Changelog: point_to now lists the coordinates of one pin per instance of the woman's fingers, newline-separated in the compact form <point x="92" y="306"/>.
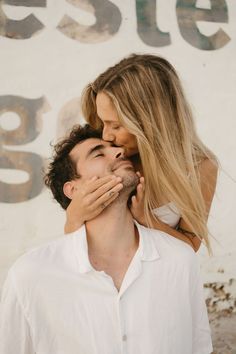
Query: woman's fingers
<point x="142" y="181"/>
<point x="96" y="187"/>
<point x="93" y="184"/>
<point x="92" y="197"/>
<point x="102" y="206"/>
<point x="137" y="202"/>
<point x="139" y="193"/>
<point x="106" y="189"/>
<point x="106" y="198"/>
<point x="134" y="202"/>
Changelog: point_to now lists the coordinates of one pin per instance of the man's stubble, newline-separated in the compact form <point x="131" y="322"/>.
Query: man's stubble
<point x="130" y="182"/>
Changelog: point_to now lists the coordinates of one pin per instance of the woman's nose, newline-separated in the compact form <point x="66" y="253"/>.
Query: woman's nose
<point x="107" y="136"/>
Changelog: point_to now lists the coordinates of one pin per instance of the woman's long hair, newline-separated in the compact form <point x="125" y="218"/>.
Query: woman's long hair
<point x="149" y="99"/>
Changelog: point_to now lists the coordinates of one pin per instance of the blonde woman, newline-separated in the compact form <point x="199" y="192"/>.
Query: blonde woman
<point x="139" y="104"/>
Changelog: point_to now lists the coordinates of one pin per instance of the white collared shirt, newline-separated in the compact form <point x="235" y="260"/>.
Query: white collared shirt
<point x="55" y="302"/>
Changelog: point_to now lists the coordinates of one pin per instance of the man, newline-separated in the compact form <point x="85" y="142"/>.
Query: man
<point x="111" y="287"/>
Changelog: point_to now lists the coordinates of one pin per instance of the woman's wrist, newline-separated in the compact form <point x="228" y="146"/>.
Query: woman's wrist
<point x="72" y="226"/>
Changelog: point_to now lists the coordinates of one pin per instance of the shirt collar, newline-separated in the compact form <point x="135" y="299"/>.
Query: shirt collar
<point x="147" y="247"/>
<point x="81" y="249"/>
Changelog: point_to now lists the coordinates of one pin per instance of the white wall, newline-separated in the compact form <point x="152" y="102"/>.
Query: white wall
<point x="52" y="68"/>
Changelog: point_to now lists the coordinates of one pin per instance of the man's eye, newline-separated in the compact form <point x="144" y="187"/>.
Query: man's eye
<point x="99" y="155"/>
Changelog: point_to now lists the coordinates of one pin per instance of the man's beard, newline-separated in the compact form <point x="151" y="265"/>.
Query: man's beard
<point x="130" y="182"/>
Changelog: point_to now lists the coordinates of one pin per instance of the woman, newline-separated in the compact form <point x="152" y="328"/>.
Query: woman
<point x="139" y="104"/>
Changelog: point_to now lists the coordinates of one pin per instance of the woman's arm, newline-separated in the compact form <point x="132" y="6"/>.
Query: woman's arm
<point x="208" y="177"/>
<point x="159" y="225"/>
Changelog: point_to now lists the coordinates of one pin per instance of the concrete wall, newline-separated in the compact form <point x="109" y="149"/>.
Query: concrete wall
<point x="49" y="50"/>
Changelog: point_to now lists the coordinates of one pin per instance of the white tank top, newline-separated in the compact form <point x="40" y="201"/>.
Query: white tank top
<point x="169" y="214"/>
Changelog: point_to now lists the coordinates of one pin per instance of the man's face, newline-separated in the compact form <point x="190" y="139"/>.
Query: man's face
<point x="95" y="157"/>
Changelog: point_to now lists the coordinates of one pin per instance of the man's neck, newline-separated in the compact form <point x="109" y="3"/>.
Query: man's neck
<point x="112" y="233"/>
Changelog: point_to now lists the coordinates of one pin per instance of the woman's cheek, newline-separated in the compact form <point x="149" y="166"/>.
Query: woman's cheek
<point x="123" y="140"/>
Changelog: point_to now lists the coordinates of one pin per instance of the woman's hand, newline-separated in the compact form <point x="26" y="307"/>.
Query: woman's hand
<point x="91" y="199"/>
<point x="137" y="202"/>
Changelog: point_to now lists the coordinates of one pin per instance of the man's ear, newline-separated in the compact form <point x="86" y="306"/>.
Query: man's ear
<point x="69" y="188"/>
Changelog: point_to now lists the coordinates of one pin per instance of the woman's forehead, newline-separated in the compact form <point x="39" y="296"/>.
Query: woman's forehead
<point x="106" y="110"/>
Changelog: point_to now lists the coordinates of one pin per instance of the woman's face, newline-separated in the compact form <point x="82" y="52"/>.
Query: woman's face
<point x="112" y="130"/>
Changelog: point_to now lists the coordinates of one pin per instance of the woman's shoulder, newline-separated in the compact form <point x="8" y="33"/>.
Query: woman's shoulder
<point x="208" y="172"/>
<point x="208" y="166"/>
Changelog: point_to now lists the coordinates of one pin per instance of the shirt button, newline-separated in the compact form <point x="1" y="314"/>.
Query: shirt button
<point x="124" y="338"/>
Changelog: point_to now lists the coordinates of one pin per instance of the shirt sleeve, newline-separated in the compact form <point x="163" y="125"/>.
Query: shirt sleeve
<point x="202" y="343"/>
<point x="14" y="327"/>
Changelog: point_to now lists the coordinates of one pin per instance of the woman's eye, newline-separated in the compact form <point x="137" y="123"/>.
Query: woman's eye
<point x="116" y="128"/>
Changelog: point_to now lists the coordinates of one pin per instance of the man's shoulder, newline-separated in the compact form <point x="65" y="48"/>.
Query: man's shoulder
<point x="39" y="258"/>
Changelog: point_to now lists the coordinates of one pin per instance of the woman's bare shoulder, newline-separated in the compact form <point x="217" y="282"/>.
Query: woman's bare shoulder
<point x="208" y="169"/>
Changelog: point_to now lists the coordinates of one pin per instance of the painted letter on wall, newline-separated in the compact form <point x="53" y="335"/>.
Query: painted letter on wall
<point x="188" y="15"/>
<point x="20" y="29"/>
<point x="147" y="26"/>
<point x="108" y="20"/>
<point x="30" y="112"/>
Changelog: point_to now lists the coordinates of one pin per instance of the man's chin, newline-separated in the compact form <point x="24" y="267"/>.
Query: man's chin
<point x="129" y="177"/>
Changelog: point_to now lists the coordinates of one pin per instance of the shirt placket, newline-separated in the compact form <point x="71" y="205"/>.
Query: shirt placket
<point x="122" y="325"/>
<point x="132" y="274"/>
<point x="119" y="313"/>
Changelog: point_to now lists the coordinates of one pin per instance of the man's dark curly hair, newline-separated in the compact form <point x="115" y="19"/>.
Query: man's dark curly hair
<point x="62" y="169"/>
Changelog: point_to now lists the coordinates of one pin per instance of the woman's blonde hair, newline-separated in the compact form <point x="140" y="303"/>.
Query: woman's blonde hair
<point x="148" y="96"/>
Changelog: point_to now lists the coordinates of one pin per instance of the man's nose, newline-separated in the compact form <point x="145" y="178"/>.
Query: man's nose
<point x="119" y="153"/>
